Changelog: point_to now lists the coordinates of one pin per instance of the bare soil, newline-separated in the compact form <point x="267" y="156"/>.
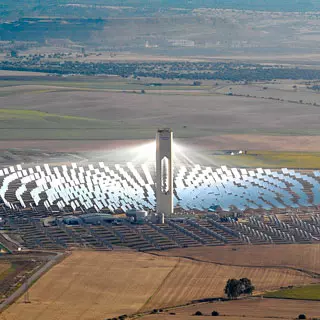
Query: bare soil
<point x="210" y="121"/>
<point x="255" y="308"/>
<point x="299" y="256"/>
<point x="198" y="115"/>
<point x="217" y="142"/>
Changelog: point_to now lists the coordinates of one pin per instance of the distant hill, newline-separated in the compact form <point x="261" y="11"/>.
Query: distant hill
<point x="88" y="8"/>
<point x="174" y="27"/>
<point x="265" y="5"/>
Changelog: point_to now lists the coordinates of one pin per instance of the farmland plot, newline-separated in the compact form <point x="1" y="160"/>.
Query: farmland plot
<point x="300" y="256"/>
<point x="251" y="309"/>
<point x="99" y="285"/>
<point x="93" y="285"/>
<point x="191" y="280"/>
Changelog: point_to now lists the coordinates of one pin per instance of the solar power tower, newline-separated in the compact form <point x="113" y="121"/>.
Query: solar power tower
<point x="164" y="171"/>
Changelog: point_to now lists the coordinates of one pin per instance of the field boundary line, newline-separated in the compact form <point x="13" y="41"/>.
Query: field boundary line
<point x="284" y="298"/>
<point x="160" y="286"/>
<point x="311" y="274"/>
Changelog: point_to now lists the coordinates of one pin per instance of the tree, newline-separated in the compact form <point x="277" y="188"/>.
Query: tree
<point x="302" y="316"/>
<point x="198" y="313"/>
<point x="14" y="54"/>
<point x="215" y="313"/>
<point x="246" y="286"/>
<point x="234" y="288"/>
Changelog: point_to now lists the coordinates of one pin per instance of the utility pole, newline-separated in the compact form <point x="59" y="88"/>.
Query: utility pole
<point x="26" y="292"/>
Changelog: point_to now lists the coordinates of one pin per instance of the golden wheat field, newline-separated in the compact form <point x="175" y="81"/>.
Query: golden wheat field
<point x="191" y="280"/>
<point x="98" y="285"/>
<point x="300" y="256"/>
<point x="93" y="285"/>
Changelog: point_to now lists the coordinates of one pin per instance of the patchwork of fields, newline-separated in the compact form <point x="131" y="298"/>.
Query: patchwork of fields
<point x="124" y="112"/>
<point x="192" y="280"/>
<point x="98" y="285"/>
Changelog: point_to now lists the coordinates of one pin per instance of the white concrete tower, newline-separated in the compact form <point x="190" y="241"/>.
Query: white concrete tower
<point x="164" y="171"/>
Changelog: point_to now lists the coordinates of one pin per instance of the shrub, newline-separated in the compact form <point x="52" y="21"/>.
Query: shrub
<point x="198" y="313"/>
<point x="302" y="316"/>
<point x="172" y="313"/>
<point x="215" y="313"/>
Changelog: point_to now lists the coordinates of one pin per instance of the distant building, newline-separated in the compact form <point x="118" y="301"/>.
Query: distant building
<point x="182" y="43"/>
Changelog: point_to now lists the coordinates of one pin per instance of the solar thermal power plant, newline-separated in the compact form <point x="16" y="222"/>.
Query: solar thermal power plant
<point x="32" y="194"/>
<point x="72" y="205"/>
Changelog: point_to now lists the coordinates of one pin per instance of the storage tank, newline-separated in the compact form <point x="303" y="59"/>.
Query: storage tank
<point x="138" y="215"/>
<point x="141" y="214"/>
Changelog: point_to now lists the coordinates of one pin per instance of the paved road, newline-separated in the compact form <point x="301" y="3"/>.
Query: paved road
<point x="20" y="291"/>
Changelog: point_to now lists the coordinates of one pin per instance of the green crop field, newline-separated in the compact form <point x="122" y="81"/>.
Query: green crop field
<point x="311" y="292"/>
<point x="96" y="84"/>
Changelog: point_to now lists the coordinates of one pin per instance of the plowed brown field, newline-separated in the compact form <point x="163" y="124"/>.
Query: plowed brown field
<point x="300" y="256"/>
<point x="251" y="309"/>
<point x="99" y="285"/>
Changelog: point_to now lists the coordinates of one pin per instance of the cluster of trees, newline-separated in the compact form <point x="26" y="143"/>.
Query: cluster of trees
<point x="174" y="70"/>
<point x="235" y="288"/>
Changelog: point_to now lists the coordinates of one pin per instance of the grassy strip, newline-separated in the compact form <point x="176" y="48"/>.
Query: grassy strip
<point x="10" y="117"/>
<point x="311" y="292"/>
<point x="116" y="84"/>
